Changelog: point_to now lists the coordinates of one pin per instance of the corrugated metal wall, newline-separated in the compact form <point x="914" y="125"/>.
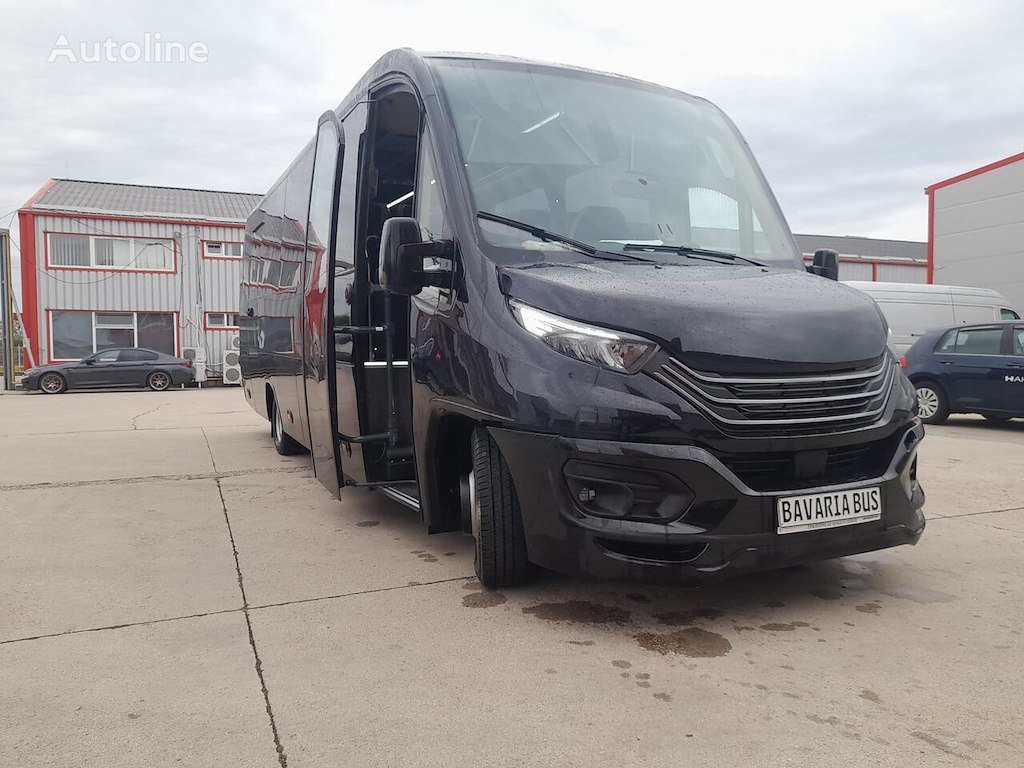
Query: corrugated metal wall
<point x="978" y="232"/>
<point x="196" y="287"/>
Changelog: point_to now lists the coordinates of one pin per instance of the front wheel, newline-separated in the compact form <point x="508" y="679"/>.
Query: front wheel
<point x="158" y="381"/>
<point x="496" y="520"/>
<point x="53" y="383"/>
<point x="931" y="403"/>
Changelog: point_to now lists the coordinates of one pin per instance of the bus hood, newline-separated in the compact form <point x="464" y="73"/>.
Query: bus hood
<point x="714" y="316"/>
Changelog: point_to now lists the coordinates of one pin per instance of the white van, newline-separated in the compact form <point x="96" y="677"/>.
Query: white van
<point x="914" y="308"/>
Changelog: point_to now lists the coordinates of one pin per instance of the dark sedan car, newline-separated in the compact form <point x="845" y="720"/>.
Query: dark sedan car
<point x="112" y="368"/>
<point x="968" y="369"/>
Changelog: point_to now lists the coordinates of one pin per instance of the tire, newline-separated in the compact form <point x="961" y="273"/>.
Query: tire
<point x="53" y="384"/>
<point x="285" y="444"/>
<point x="501" y="559"/>
<point x="931" y="402"/>
<point x="159" y="381"/>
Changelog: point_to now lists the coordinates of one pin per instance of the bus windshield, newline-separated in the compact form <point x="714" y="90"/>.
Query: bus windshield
<point x="608" y="162"/>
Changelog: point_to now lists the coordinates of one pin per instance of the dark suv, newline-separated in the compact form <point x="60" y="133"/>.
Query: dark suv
<point x="968" y="369"/>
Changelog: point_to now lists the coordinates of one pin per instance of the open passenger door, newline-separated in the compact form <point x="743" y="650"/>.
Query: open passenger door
<point x="318" y="303"/>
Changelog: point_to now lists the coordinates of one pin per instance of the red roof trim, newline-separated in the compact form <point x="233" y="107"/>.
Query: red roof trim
<point x="976" y="172"/>
<point x="39" y="194"/>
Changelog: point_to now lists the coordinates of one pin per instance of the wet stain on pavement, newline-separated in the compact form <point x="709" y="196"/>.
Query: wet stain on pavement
<point x="873" y="607"/>
<point x="580" y="612"/>
<point x="827" y="593"/>
<point x="743" y="628"/>
<point x="483" y="599"/>
<point x="830" y="720"/>
<point x="580" y="642"/>
<point x="638" y="598"/>
<point x="870" y="695"/>
<point x="621" y="664"/>
<point x="939" y="744"/>
<point x="642" y="675"/>
<point x="779" y="627"/>
<point x="664" y="697"/>
<point x="368" y="523"/>
<point x="774" y="604"/>
<point x="692" y="641"/>
<point x="643" y="684"/>
<point x="426" y="557"/>
<point x="685" y="618"/>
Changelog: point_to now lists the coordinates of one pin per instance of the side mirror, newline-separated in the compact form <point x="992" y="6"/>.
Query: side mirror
<point x="825" y="264"/>
<point x="402" y="252"/>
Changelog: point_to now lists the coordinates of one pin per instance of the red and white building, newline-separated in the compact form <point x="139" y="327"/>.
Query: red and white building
<point x="976" y="229"/>
<point x="111" y="265"/>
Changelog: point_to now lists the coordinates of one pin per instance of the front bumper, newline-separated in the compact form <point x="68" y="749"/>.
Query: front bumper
<point x="726" y="530"/>
<point x="29" y="384"/>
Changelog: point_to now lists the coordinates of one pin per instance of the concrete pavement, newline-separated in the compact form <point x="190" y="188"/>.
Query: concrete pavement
<point x="173" y="592"/>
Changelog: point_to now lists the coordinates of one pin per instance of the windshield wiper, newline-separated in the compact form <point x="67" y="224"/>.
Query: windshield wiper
<point x="690" y="250"/>
<point x="554" y="237"/>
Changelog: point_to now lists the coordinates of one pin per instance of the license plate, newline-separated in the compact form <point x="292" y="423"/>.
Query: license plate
<point x="815" y="511"/>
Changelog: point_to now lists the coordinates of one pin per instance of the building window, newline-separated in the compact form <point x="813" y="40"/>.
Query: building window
<point x="75" y="334"/>
<point x="226" y="321"/>
<point x="213" y="249"/>
<point x="66" y="251"/>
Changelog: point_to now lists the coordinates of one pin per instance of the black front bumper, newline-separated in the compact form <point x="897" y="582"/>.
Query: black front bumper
<point x="726" y="530"/>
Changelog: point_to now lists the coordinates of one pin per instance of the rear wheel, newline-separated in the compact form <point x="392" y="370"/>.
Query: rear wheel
<point x="495" y="517"/>
<point x="931" y="403"/>
<point x="158" y="381"/>
<point x="285" y="444"/>
<point x="52" y="383"/>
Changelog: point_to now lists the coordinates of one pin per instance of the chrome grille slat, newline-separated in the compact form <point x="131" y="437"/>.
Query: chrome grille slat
<point x="784" y="403"/>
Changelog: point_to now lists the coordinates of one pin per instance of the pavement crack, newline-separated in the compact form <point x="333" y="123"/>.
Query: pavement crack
<point x="118" y="626"/>
<point x="282" y="758"/>
<point x="136" y="418"/>
<point x="210" y="449"/>
<point x="153" y="478"/>
<point x="374" y="591"/>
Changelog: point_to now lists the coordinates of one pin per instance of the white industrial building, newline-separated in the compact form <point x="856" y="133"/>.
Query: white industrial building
<point x="976" y="229"/>
<point x="870" y="258"/>
<point x="112" y="265"/>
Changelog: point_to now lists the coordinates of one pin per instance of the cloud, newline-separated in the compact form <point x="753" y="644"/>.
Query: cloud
<point x="851" y="109"/>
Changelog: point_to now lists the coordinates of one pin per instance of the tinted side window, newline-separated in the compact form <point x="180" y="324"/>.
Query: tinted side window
<point x="1017" y="347"/>
<point x="948" y="343"/>
<point x="136" y="356"/>
<point x="979" y="341"/>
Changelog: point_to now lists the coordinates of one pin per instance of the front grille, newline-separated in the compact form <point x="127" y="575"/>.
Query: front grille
<point x="785" y="404"/>
<point x="792" y="470"/>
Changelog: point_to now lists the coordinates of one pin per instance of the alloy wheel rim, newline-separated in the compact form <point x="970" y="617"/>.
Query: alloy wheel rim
<point x="159" y="380"/>
<point x="278" y="425"/>
<point x="927" y="402"/>
<point x="51" y="384"/>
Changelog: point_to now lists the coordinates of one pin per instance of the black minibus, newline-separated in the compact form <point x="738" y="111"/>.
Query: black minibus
<point x="560" y="310"/>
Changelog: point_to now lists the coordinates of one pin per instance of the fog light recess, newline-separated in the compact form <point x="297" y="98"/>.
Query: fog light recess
<point x="626" y="493"/>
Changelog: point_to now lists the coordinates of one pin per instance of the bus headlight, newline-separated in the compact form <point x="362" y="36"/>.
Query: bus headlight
<point x="610" y="349"/>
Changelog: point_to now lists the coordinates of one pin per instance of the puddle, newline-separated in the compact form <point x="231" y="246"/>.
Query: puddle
<point x="484" y="599"/>
<point x="694" y="642"/>
<point x="685" y="618"/>
<point x="580" y="612"/>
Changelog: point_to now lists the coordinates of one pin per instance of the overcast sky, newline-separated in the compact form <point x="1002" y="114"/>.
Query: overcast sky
<point x="851" y="108"/>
